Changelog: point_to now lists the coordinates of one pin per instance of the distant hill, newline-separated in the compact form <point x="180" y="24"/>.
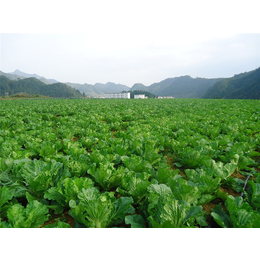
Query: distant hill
<point x="179" y="87"/>
<point x="26" y="75"/>
<point x="11" y="76"/>
<point x="242" y="86"/>
<point x="33" y="86"/>
<point x="99" y="89"/>
<point x="138" y="86"/>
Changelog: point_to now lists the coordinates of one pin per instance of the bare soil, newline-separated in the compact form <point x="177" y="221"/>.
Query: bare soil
<point x="230" y="191"/>
<point x="238" y="175"/>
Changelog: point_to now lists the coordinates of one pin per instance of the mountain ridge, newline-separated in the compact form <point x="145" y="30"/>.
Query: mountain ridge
<point x="27" y="75"/>
<point x="99" y="89"/>
<point x="178" y="87"/>
<point x="241" y="86"/>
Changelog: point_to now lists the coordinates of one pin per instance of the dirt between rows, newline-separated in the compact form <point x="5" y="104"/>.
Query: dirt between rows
<point x="63" y="217"/>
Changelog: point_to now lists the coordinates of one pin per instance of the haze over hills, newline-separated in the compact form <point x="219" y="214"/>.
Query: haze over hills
<point x="179" y="87"/>
<point x="99" y="89"/>
<point x="242" y="86"/>
<point x="26" y="75"/>
<point x="11" y="76"/>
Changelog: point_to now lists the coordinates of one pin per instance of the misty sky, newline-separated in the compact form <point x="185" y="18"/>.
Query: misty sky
<point x="131" y="42"/>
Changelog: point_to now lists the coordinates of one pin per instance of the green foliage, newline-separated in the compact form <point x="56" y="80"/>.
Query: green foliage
<point x="255" y="196"/>
<point x="106" y="175"/>
<point x="244" y="85"/>
<point x="139" y="92"/>
<point x="66" y="190"/>
<point x="167" y="211"/>
<point x="34" y="215"/>
<point x="33" y="86"/>
<point x="97" y="210"/>
<point x="122" y="163"/>
<point x="136" y="221"/>
<point x="39" y="176"/>
<point x="239" y="214"/>
<point x="6" y="194"/>
<point x="58" y="224"/>
<point x="134" y="185"/>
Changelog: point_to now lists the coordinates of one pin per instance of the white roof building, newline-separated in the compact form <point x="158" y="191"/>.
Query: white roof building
<point x="141" y="96"/>
<point x="118" y="95"/>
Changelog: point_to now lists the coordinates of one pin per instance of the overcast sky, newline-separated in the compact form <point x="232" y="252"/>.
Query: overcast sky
<point x="129" y="42"/>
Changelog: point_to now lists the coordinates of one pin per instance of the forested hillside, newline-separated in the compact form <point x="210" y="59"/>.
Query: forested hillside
<point x="33" y="86"/>
<point x="242" y="86"/>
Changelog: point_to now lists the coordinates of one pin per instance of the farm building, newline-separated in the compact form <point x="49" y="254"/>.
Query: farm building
<point x="118" y="95"/>
<point x="141" y="96"/>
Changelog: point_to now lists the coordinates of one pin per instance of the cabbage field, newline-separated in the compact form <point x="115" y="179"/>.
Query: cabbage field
<point x="105" y="163"/>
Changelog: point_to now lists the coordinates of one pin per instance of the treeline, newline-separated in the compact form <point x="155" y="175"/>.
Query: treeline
<point x="33" y="86"/>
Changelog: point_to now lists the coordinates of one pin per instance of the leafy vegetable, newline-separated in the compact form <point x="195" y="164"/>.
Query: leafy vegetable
<point x="106" y="175"/>
<point x="136" y="221"/>
<point x="134" y="185"/>
<point x="166" y="211"/>
<point x="115" y="163"/>
<point x="100" y="210"/>
<point x="65" y="191"/>
<point x="6" y="194"/>
<point x="34" y="215"/>
<point x="240" y="214"/>
<point x="39" y="176"/>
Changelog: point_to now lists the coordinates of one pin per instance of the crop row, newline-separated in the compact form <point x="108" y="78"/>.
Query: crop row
<point x="130" y="163"/>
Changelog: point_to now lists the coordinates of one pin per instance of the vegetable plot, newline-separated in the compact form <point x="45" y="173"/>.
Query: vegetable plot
<point x="130" y="163"/>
